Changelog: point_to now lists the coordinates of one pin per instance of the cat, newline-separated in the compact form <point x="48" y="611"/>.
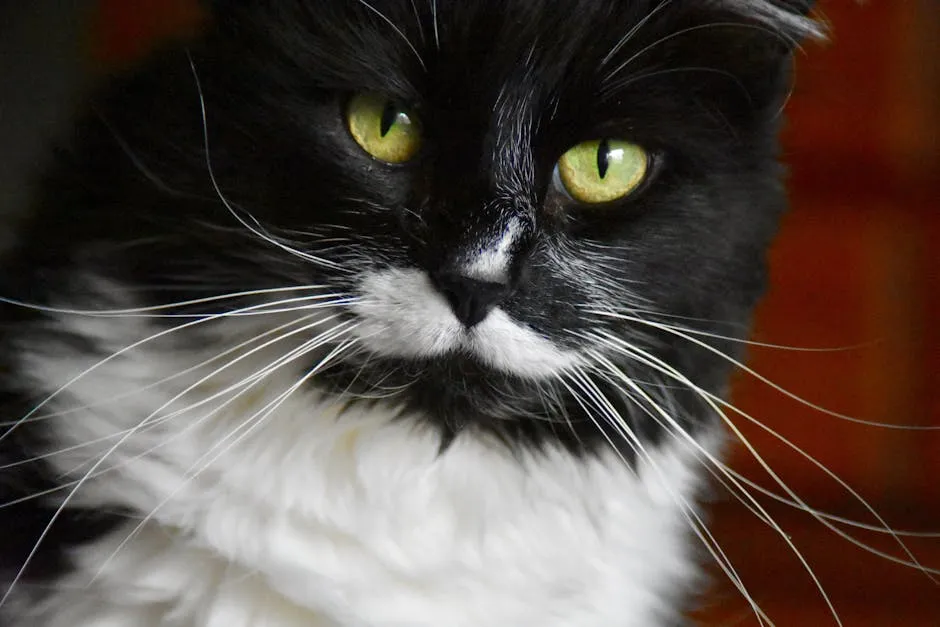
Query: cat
<point x="391" y="312"/>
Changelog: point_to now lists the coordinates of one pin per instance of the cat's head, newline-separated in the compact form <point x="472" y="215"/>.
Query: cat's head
<point x="513" y="200"/>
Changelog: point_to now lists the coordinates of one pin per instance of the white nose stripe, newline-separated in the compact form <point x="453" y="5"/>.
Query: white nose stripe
<point x="493" y="262"/>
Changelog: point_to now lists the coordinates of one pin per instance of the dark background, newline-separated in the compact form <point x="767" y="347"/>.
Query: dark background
<point x="855" y="269"/>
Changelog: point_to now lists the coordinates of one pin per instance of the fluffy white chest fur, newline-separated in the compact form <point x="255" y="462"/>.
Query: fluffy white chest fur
<point x="256" y="508"/>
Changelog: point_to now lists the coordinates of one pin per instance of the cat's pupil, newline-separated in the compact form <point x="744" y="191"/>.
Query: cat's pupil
<point x="603" y="163"/>
<point x="389" y="116"/>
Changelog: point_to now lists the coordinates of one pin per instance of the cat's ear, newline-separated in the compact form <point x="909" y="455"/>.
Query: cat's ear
<point x="755" y="47"/>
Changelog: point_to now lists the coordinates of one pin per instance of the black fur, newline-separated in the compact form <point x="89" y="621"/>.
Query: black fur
<point x="502" y="89"/>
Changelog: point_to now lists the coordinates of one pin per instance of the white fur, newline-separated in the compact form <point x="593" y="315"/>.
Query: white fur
<point x="314" y="519"/>
<point x="404" y="316"/>
<point x="491" y="263"/>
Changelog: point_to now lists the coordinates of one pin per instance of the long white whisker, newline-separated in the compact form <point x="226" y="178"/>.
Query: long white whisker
<point x="73" y="410"/>
<point x="631" y="79"/>
<point x="909" y="533"/>
<point x="732" y="338"/>
<point x="252" y="422"/>
<point x="763" y="379"/>
<point x="397" y="30"/>
<point x="695" y="522"/>
<point x="724" y="475"/>
<point x="244" y="384"/>
<point x="148" y="423"/>
<point x="114" y="355"/>
<point x="64" y="503"/>
<point x="685" y="31"/>
<point x="714" y="401"/>
<point x="437" y="35"/>
<point x="914" y="563"/>
<point x="669" y="371"/>
<point x="730" y="473"/>
<point x="255" y="228"/>
<point x="414" y="8"/>
<point x="252" y="340"/>
<point x="164" y="306"/>
<point x="633" y="31"/>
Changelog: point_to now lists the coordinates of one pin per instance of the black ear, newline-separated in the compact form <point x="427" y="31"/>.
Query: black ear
<point x="749" y="49"/>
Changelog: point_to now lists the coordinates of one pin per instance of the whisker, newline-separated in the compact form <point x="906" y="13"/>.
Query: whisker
<point x="319" y="340"/>
<point x="164" y="306"/>
<point x="252" y="422"/>
<point x="73" y="410"/>
<point x="414" y="8"/>
<point x="714" y="401"/>
<point x="699" y="528"/>
<point x="763" y="379"/>
<point x="653" y="361"/>
<point x="256" y="228"/>
<point x="633" y="31"/>
<point x="889" y="530"/>
<point x="692" y="29"/>
<point x="148" y="423"/>
<point x="397" y="30"/>
<point x="115" y="355"/>
<point x="437" y="36"/>
<point x="738" y="478"/>
<point x="727" y="338"/>
<point x="77" y="486"/>
<point x="613" y="87"/>
<point x="914" y="563"/>
<point x="727" y="477"/>
<point x="181" y="373"/>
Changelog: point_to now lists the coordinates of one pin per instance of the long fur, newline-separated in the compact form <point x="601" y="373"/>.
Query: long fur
<point x="236" y="387"/>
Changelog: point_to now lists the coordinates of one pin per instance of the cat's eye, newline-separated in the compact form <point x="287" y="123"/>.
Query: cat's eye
<point x="603" y="170"/>
<point x="383" y="128"/>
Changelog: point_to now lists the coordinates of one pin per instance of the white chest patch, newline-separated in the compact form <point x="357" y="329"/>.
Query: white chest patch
<point x="304" y="517"/>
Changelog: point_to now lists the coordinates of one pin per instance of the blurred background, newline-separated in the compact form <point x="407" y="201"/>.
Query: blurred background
<point x="856" y="278"/>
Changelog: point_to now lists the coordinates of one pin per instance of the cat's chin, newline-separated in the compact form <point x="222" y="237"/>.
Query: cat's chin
<point x="400" y="315"/>
<point x="451" y="391"/>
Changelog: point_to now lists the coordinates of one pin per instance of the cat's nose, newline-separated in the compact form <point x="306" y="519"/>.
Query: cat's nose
<point x="470" y="299"/>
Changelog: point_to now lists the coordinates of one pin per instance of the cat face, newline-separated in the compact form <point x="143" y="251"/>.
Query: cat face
<point x="507" y="199"/>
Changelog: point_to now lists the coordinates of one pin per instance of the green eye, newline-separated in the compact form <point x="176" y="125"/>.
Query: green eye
<point x="383" y="128"/>
<point x="603" y="170"/>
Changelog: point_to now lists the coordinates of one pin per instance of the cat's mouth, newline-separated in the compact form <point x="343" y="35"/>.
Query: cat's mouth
<point x="400" y="315"/>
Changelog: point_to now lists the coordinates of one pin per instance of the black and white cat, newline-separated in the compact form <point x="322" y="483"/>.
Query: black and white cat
<point x="391" y="312"/>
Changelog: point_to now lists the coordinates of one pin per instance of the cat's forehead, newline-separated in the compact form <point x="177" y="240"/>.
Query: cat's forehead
<point x="416" y="47"/>
<point x="471" y="44"/>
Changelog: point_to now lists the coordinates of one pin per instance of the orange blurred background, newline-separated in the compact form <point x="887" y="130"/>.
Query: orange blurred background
<point x="854" y="270"/>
